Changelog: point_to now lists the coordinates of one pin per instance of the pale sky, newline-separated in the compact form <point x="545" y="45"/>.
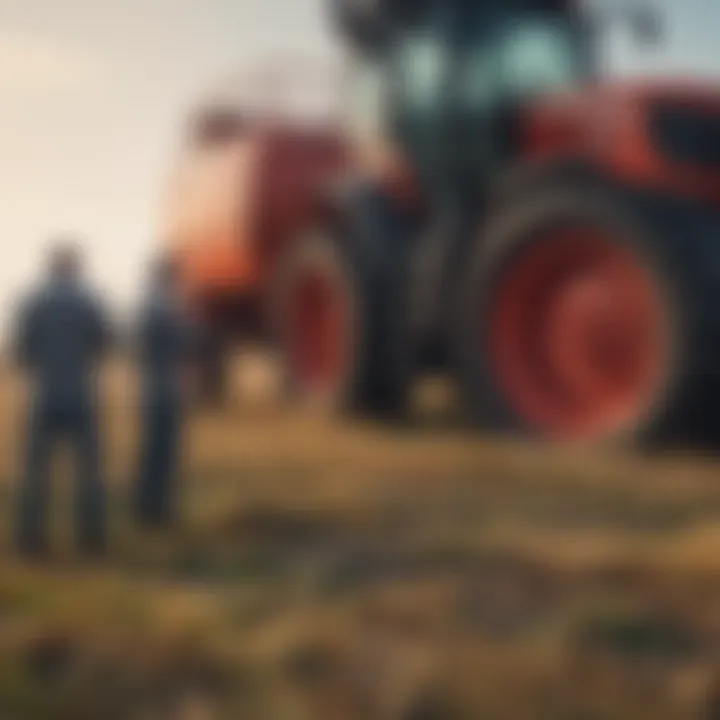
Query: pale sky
<point x="93" y="94"/>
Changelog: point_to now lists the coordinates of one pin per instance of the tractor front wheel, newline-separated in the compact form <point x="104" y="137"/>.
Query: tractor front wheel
<point x="317" y="322"/>
<point x="332" y="313"/>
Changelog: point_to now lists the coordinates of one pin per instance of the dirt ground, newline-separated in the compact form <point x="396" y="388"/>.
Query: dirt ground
<point x="348" y="572"/>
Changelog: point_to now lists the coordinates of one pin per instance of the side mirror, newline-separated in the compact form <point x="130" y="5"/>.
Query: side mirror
<point x="641" y="19"/>
<point x="364" y="23"/>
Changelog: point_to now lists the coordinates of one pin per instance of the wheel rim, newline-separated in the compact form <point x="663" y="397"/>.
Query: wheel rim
<point x="579" y="335"/>
<point x="320" y="333"/>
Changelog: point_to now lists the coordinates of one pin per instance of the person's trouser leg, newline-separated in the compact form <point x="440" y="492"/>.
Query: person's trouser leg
<point x="90" y="502"/>
<point x="167" y="464"/>
<point x="147" y="491"/>
<point x="158" y="464"/>
<point x="34" y="489"/>
<point x="141" y="488"/>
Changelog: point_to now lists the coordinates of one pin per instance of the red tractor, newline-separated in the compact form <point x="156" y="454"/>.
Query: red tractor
<point x="245" y="181"/>
<point x="551" y="239"/>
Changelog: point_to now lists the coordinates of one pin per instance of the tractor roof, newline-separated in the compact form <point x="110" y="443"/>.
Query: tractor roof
<point x="294" y="88"/>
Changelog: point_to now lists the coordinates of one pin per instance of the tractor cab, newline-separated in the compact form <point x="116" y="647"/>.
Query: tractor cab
<point x="443" y="79"/>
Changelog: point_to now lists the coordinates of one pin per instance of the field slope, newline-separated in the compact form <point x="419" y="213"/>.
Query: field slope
<point x="347" y="572"/>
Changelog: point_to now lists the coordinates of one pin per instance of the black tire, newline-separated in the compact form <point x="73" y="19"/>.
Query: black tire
<point x="367" y="384"/>
<point x="520" y="227"/>
<point x="212" y="387"/>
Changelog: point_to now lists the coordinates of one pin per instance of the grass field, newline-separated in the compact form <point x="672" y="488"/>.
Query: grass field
<point x="355" y="573"/>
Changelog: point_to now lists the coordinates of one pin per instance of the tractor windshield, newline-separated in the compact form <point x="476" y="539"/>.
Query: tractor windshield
<point x="532" y="55"/>
<point x="451" y="68"/>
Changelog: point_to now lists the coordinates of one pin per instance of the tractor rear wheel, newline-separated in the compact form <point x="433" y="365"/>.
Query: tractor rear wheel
<point x="573" y="324"/>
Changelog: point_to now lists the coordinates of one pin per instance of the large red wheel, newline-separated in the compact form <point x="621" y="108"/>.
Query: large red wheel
<point x="317" y="322"/>
<point x="572" y="324"/>
<point x="319" y="331"/>
<point x="579" y="338"/>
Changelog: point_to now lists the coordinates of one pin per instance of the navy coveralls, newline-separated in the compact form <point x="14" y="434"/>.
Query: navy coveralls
<point x="165" y="343"/>
<point x="62" y="335"/>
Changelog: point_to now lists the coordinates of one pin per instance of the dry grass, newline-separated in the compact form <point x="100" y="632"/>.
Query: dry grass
<point x="354" y="573"/>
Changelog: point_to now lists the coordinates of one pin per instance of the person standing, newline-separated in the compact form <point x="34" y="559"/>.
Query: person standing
<point x="62" y="335"/>
<point x="166" y="340"/>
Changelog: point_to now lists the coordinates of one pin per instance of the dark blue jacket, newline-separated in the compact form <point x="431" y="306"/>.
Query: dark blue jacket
<point x="166" y="342"/>
<point x="62" y="334"/>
